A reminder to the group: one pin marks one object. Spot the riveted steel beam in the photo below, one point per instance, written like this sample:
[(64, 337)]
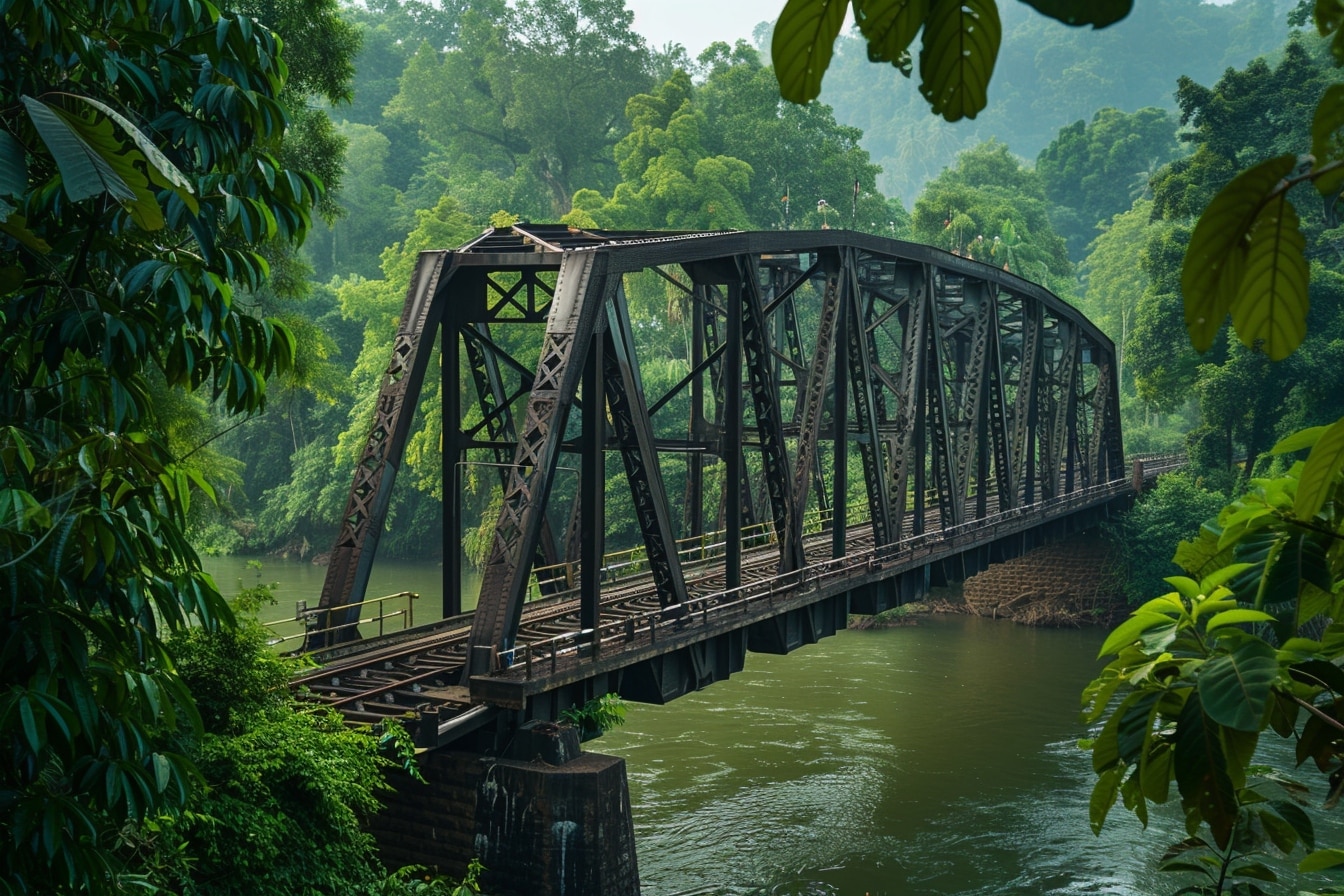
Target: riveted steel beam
[(366, 507), (579, 294)]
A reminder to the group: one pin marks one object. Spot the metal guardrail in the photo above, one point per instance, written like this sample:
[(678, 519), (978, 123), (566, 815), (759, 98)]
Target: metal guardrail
[(722, 606), (319, 621)]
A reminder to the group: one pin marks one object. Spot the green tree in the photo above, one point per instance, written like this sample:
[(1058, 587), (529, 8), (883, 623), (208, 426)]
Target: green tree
[(991, 208), (288, 785), (140, 180), (533, 92), (1168, 514), (1089, 170)]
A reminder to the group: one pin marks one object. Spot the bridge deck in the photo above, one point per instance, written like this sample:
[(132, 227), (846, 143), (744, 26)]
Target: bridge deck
[(412, 676)]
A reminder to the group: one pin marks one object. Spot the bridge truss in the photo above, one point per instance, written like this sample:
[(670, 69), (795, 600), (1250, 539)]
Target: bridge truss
[(690, 394)]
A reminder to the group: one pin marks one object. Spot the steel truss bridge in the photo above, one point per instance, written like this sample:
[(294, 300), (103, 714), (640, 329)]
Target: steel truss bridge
[(700, 444)]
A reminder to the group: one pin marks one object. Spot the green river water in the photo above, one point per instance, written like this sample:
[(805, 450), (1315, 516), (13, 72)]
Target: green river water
[(935, 758)]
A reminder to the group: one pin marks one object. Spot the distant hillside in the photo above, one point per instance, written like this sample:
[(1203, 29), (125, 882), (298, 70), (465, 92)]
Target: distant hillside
[(1048, 75)]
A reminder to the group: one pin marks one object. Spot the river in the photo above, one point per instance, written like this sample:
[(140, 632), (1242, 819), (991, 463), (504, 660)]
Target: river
[(935, 758)]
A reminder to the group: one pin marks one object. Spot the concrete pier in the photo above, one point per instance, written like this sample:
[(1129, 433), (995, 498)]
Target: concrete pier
[(540, 829)]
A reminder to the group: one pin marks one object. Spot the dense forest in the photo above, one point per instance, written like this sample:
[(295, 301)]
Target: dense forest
[(209, 213)]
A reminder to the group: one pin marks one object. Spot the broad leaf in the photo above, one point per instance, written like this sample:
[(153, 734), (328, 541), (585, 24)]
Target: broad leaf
[(1237, 617), (84, 170), (890, 26), (1103, 797), (801, 48), (1216, 257), (1298, 441), (1319, 674), (13, 171), (1234, 687), (1320, 472), (1132, 629), (1201, 771), (1329, 16), (1322, 859), (151, 152), (957, 55), (1097, 13), (1326, 141), (1270, 309)]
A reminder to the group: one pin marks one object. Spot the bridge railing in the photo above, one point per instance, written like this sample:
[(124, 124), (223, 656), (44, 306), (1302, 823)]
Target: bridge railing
[(318, 623), (690, 550), (546, 656)]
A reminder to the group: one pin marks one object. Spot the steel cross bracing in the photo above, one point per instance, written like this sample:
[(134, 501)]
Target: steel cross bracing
[(863, 388)]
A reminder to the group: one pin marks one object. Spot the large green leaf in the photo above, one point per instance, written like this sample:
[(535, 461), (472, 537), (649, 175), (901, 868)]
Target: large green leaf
[(162, 164), (1297, 441), (1270, 309), (1322, 859), (1133, 628), (85, 172), (1234, 687), (1215, 260), (801, 48), (1329, 16), (1201, 771), (1320, 472), (1097, 13), (1326, 144), (890, 26), (956, 60), (13, 173)]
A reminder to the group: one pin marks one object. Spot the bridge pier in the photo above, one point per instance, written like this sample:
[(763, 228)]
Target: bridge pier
[(541, 827)]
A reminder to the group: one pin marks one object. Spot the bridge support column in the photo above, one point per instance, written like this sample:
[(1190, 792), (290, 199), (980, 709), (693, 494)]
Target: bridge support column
[(539, 829)]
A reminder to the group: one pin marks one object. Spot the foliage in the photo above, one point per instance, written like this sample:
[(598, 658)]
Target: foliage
[(1046, 77), (1246, 254), (140, 151), (1161, 517), (288, 785), (532, 94), (1094, 171), (991, 208), (418, 880), (1250, 645), (598, 716)]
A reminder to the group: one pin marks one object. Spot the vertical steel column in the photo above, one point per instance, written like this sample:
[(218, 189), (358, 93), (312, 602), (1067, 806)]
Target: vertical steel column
[(840, 407), (579, 292), (764, 384), (693, 509), (937, 422), (453, 455), (813, 400), (1025, 405), (867, 410), (732, 438), (909, 449), (969, 433), (592, 484)]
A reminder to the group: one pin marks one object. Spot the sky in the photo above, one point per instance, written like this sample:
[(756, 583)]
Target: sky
[(695, 24)]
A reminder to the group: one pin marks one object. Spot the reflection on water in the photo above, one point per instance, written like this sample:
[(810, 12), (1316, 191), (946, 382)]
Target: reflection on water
[(932, 759)]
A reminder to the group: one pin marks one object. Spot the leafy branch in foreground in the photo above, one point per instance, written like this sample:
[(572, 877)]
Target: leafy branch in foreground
[(1251, 645)]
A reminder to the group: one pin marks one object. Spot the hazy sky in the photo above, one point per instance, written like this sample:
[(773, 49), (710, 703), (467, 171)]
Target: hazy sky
[(697, 23)]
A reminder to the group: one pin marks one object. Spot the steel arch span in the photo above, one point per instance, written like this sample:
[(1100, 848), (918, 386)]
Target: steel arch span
[(682, 403)]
